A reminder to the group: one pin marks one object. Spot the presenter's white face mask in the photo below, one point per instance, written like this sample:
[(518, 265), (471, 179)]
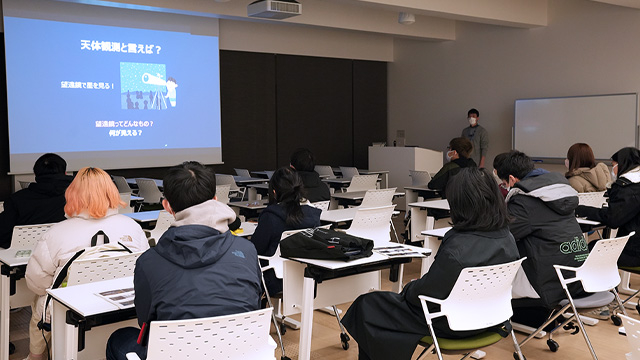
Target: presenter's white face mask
[(472, 121)]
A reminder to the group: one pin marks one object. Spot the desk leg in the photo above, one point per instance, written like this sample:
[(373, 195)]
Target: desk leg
[(5, 283), (253, 194), (418, 221), (410, 196), (64, 337), (306, 319), (429, 243), (385, 181), (397, 286)]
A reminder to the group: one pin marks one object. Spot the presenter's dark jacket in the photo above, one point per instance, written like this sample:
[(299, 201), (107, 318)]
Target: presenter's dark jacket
[(441, 179), (315, 189), (41, 203), (544, 225), (271, 224), (623, 210), (196, 271), (388, 325)]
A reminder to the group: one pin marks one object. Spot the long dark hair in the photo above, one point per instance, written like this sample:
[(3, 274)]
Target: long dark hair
[(627, 158), (580, 155), (475, 201), (289, 191)]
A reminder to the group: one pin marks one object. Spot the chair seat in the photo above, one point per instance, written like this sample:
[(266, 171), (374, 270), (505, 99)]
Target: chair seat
[(635, 270), (474, 342), (592, 301)]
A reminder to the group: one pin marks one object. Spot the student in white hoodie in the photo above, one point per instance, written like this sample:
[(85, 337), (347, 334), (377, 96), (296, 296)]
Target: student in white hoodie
[(92, 202)]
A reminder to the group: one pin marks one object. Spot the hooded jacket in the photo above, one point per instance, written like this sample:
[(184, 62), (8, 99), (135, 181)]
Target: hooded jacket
[(589, 180), (542, 206), (441, 179), (623, 210), (197, 271), (271, 224), (41, 203), (315, 189)]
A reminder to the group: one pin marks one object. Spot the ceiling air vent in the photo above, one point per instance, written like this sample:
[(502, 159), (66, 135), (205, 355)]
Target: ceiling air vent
[(272, 9)]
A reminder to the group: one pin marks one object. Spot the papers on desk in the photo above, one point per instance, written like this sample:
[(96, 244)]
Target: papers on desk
[(122, 298), (397, 251)]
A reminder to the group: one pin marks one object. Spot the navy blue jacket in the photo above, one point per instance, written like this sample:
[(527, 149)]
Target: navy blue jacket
[(195, 271), (271, 224)]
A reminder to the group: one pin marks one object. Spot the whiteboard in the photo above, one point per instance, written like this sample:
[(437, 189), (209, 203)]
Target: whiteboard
[(546, 128)]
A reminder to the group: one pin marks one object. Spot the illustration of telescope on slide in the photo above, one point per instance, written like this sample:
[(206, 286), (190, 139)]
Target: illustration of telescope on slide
[(158, 96), (153, 80)]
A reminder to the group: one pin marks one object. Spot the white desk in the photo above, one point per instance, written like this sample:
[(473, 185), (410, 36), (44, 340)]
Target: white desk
[(420, 221), (352, 197), (337, 282), (77, 309), (14, 292), (338, 215), (439, 233), (413, 192), (144, 216), (243, 180)]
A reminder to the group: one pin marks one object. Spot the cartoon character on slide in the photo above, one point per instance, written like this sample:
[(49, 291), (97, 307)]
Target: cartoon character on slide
[(171, 90)]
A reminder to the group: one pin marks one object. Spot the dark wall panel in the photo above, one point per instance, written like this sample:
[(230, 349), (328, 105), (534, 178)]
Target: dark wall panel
[(369, 108), (247, 88), (314, 107)]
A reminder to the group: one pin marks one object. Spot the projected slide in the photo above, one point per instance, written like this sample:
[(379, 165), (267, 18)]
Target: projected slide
[(88, 88)]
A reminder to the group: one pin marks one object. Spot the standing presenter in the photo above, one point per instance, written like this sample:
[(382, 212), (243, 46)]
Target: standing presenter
[(478, 136)]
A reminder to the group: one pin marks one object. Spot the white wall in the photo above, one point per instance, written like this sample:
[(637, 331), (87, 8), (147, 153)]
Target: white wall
[(587, 48)]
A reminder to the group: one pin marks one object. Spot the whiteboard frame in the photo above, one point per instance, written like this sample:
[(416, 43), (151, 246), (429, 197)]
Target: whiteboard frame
[(559, 160)]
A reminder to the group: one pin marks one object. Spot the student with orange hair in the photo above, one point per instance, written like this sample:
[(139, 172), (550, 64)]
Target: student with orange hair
[(92, 206)]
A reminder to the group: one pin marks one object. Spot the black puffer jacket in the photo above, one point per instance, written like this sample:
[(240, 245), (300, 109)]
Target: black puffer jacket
[(196, 271), (542, 206), (42, 202), (623, 210)]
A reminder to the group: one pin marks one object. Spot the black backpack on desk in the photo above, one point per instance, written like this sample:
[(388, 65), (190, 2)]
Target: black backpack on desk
[(325, 244)]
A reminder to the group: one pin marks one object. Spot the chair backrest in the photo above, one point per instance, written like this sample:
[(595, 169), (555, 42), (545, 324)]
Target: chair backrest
[(349, 172), (419, 178), (322, 205), (378, 197), (91, 270), (237, 336), (599, 272), (595, 199), (222, 193), (26, 236), (126, 198), (325, 170), (165, 219), (363, 183), (242, 172), (121, 184), (148, 190), (223, 179), (480, 298), (24, 184), (632, 329), (373, 224)]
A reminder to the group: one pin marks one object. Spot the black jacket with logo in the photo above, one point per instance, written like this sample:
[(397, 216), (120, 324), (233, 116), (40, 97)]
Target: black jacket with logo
[(544, 225)]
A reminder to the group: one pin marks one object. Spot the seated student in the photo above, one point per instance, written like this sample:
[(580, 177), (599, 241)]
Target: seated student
[(92, 206), (285, 212), (583, 173), (41, 203), (388, 325), (303, 162), (496, 163), (458, 153), (541, 207), (623, 210), (198, 269)]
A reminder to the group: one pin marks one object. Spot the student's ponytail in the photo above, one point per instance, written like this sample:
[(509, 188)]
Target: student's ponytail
[(289, 191)]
